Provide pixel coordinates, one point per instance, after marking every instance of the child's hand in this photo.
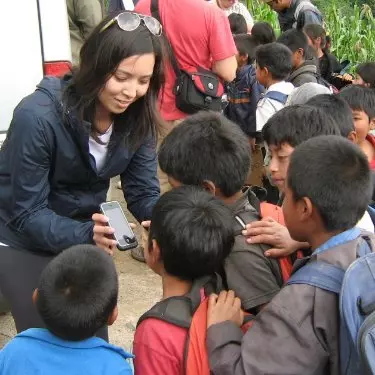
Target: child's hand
(223, 308)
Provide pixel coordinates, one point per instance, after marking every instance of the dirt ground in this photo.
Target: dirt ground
(140, 288)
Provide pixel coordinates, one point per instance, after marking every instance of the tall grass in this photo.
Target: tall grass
(352, 29)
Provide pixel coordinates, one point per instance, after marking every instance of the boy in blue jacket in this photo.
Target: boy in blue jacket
(76, 296)
(244, 93)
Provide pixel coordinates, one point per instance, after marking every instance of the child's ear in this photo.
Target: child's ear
(305, 208)
(113, 316)
(209, 186)
(35, 296)
(154, 252)
(244, 58)
(352, 137)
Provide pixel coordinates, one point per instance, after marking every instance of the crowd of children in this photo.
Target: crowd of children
(213, 233)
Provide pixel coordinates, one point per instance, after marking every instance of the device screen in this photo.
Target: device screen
(118, 222)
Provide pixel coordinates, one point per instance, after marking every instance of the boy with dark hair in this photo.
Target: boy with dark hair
(237, 24)
(304, 70)
(243, 96)
(361, 100)
(76, 296)
(191, 234)
(273, 66)
(339, 110)
(263, 33)
(365, 75)
(215, 155)
(300, 327)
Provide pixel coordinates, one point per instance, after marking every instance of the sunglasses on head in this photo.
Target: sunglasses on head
(131, 21)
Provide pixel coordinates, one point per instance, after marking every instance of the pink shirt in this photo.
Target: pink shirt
(159, 348)
(199, 33)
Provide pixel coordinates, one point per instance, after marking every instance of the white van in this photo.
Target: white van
(35, 41)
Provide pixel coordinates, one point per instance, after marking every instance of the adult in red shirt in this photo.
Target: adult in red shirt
(200, 36)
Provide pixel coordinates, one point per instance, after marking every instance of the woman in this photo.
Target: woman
(66, 141)
(234, 6)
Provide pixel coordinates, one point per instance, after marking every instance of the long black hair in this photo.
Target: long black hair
(100, 56)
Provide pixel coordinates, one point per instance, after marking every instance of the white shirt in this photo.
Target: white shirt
(99, 151)
(267, 107)
(366, 223)
(240, 9)
(128, 4)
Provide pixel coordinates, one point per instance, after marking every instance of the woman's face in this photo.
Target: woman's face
(225, 4)
(129, 83)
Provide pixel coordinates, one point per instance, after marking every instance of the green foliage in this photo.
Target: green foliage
(351, 27)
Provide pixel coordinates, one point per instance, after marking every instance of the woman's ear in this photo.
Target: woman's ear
(209, 186)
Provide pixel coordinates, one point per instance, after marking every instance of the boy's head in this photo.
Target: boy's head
(316, 36)
(246, 47)
(328, 188)
(297, 42)
(77, 293)
(237, 23)
(365, 75)
(361, 100)
(191, 234)
(339, 110)
(274, 63)
(263, 33)
(287, 129)
(278, 5)
(209, 151)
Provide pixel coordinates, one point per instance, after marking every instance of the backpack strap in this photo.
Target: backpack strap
(179, 310)
(277, 96)
(321, 275)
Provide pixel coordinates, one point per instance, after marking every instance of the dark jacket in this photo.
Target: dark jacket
(307, 14)
(328, 64)
(243, 96)
(296, 333)
(49, 183)
(304, 74)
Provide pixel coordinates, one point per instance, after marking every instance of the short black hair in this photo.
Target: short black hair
(359, 99)
(367, 72)
(336, 108)
(297, 124)
(77, 292)
(294, 39)
(237, 23)
(194, 231)
(315, 31)
(207, 146)
(246, 45)
(263, 33)
(334, 174)
(277, 58)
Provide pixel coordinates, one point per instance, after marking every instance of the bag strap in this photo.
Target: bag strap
(277, 96)
(321, 275)
(172, 57)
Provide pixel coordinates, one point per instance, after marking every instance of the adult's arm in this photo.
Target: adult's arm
(88, 14)
(30, 156)
(140, 183)
(221, 44)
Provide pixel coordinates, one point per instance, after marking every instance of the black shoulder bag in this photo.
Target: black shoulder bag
(196, 91)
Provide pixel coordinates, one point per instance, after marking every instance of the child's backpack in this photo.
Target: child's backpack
(356, 290)
(277, 96)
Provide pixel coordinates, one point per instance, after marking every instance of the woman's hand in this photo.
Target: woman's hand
(224, 307)
(103, 234)
(270, 232)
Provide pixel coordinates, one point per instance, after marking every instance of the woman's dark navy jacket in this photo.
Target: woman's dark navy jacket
(49, 185)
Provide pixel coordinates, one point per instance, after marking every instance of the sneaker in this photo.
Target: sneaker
(138, 254)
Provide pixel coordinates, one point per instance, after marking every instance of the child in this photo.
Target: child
(263, 33)
(243, 95)
(304, 71)
(273, 66)
(362, 103)
(191, 234)
(298, 332)
(215, 155)
(365, 75)
(237, 23)
(76, 296)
